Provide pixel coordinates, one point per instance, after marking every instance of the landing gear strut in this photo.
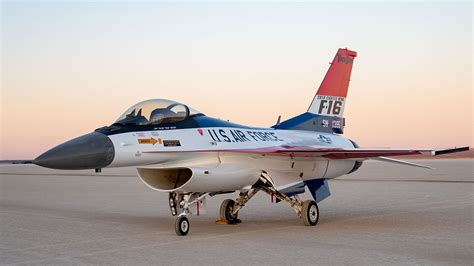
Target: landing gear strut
(308, 210)
(181, 203)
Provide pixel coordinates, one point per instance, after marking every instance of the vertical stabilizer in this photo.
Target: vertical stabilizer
(331, 96)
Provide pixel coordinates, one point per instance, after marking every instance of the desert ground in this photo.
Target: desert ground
(381, 214)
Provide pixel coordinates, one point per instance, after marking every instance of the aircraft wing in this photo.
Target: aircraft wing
(330, 152)
(341, 153)
(359, 153)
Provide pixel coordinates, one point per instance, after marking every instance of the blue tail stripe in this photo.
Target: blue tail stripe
(313, 122)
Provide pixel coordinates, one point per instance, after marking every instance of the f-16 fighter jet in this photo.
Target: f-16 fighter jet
(181, 151)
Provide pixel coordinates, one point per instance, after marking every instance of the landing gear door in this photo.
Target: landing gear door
(173, 201)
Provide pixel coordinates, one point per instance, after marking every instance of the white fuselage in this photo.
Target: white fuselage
(222, 150)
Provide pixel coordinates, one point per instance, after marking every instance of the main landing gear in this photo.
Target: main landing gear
(227, 213)
(180, 204)
(310, 213)
(308, 210)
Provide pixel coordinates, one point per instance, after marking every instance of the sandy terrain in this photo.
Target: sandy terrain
(382, 214)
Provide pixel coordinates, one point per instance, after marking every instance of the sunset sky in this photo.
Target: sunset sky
(71, 67)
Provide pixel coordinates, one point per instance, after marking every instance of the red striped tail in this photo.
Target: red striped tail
(331, 96)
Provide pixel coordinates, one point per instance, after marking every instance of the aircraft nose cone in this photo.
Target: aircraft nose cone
(93, 150)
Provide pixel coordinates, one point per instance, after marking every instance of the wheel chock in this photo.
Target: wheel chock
(235, 221)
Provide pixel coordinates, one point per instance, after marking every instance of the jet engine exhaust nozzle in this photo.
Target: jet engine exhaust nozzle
(93, 150)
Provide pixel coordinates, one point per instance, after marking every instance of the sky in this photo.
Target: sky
(68, 68)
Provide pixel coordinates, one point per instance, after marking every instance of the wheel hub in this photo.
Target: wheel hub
(313, 213)
(184, 226)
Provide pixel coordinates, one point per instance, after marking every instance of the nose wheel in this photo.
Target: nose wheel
(181, 225)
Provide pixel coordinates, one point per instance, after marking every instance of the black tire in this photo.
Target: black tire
(226, 209)
(310, 213)
(181, 226)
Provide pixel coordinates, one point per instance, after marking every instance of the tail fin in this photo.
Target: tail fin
(331, 96)
(325, 112)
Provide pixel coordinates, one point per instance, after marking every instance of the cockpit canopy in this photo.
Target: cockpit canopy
(155, 112)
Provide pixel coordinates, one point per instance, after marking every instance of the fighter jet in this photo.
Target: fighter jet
(180, 151)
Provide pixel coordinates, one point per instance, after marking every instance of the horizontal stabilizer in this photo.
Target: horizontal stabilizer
(390, 160)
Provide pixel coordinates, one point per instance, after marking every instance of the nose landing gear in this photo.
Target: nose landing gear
(181, 203)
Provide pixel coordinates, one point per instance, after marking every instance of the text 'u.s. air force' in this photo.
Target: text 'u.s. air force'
(236, 135)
